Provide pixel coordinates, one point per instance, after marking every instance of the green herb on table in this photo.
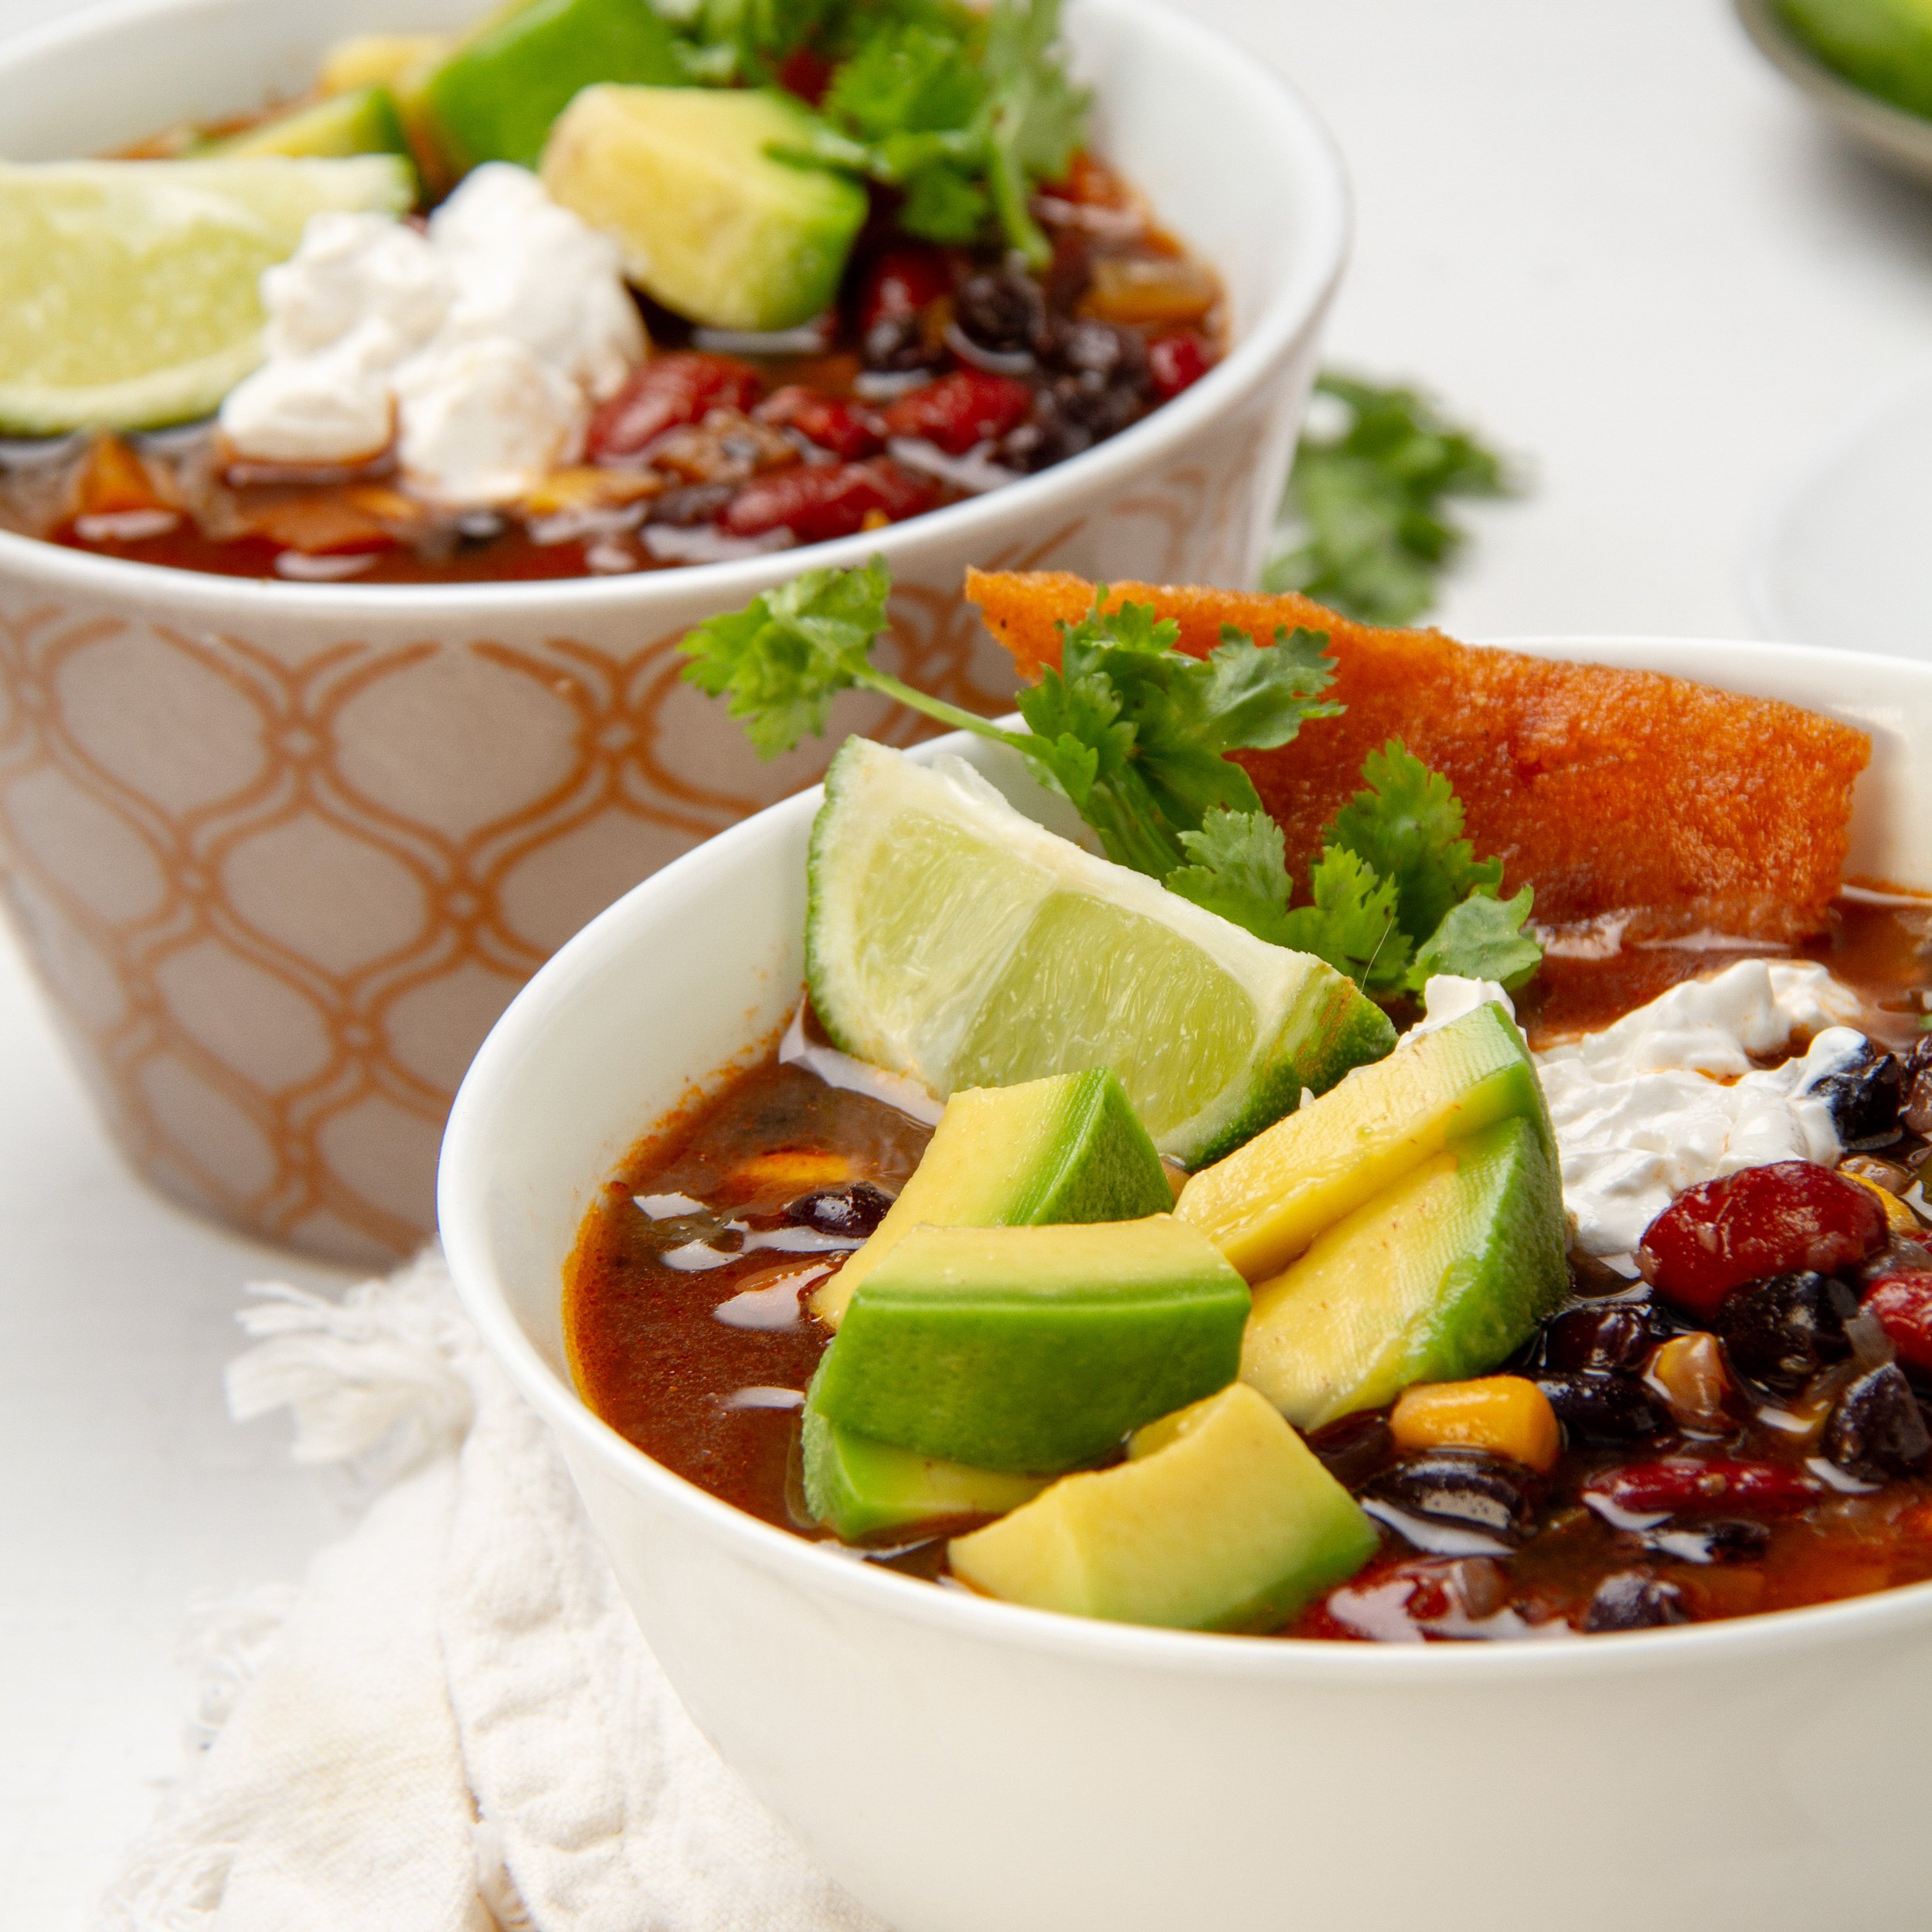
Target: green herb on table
(1136, 733)
(1366, 523)
(963, 112)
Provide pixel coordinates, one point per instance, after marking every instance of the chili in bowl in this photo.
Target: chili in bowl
(315, 833)
(957, 1759)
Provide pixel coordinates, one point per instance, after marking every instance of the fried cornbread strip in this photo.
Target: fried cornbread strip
(1615, 794)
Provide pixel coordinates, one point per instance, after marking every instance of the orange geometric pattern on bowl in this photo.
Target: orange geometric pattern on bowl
(277, 895)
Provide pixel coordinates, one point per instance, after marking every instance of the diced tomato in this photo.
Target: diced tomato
(832, 422)
(902, 282)
(818, 501)
(1177, 361)
(1760, 1221)
(966, 406)
(1680, 1484)
(669, 391)
(1902, 1302)
(806, 73)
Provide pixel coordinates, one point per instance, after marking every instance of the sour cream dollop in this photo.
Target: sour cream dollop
(478, 348)
(1667, 1097)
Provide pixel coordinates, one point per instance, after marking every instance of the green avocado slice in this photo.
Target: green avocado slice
(707, 220)
(1223, 1518)
(1068, 1147)
(1032, 1349)
(363, 121)
(497, 95)
(1266, 1201)
(860, 1488)
(1438, 1279)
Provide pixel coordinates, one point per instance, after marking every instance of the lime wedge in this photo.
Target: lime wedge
(950, 938)
(131, 287)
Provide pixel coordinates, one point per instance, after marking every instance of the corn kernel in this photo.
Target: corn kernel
(1689, 1373)
(1898, 1217)
(1507, 1415)
(788, 1171)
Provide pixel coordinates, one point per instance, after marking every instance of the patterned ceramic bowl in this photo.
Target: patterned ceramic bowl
(282, 852)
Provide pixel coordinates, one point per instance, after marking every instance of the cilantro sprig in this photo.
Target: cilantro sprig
(1367, 524)
(962, 112)
(1137, 734)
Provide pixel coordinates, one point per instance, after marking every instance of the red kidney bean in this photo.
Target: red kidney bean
(1175, 362)
(966, 406)
(901, 282)
(669, 391)
(1617, 1337)
(1680, 1484)
(1780, 1219)
(1903, 1303)
(832, 422)
(818, 501)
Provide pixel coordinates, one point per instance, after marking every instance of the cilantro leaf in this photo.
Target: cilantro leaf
(780, 661)
(1482, 938)
(1352, 923)
(1161, 723)
(1036, 116)
(1240, 870)
(1367, 525)
(1408, 826)
(963, 111)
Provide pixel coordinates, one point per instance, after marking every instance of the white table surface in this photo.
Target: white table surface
(1600, 229)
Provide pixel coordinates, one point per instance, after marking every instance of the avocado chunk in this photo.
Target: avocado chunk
(861, 1489)
(1032, 1349)
(1436, 1281)
(707, 222)
(1264, 1203)
(364, 121)
(497, 95)
(1068, 1147)
(1222, 1518)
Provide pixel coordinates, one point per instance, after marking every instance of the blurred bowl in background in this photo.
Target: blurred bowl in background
(281, 853)
(1894, 136)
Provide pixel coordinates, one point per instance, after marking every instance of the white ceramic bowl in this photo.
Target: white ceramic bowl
(962, 1765)
(282, 852)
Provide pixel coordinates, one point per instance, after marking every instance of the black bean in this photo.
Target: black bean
(1865, 1099)
(1101, 352)
(1721, 1539)
(1633, 1601)
(1463, 1489)
(1616, 1337)
(1780, 1333)
(1876, 1428)
(1604, 1406)
(1004, 310)
(692, 504)
(1916, 1113)
(1354, 1448)
(855, 1208)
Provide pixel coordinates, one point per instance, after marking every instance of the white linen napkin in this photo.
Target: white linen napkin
(453, 1726)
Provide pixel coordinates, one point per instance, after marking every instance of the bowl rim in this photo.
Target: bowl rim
(818, 1567)
(1894, 133)
(1296, 303)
